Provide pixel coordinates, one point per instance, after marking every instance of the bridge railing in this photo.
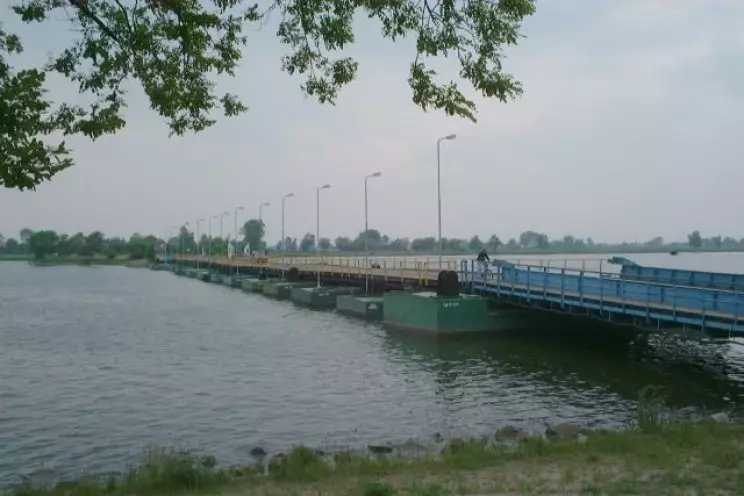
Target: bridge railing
(422, 270)
(586, 264)
(545, 282)
(684, 277)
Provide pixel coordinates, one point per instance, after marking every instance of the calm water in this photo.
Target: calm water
(97, 364)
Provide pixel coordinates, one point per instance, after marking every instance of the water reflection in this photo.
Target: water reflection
(566, 352)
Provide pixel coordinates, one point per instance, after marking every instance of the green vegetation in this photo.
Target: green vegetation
(529, 242)
(94, 260)
(178, 50)
(49, 248)
(673, 459)
(53, 248)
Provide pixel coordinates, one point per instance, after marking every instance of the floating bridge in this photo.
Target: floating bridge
(618, 291)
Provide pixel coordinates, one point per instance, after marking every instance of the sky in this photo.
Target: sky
(629, 128)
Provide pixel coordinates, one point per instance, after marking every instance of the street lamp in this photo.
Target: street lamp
(366, 228)
(165, 248)
(439, 193)
(260, 209)
(180, 236)
(260, 215)
(317, 226)
(209, 253)
(222, 239)
(235, 238)
(198, 243)
(284, 243)
(170, 230)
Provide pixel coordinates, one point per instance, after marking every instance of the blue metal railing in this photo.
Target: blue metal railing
(734, 282)
(589, 288)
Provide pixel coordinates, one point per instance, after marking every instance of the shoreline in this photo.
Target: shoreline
(381, 254)
(676, 458)
(90, 262)
(492, 254)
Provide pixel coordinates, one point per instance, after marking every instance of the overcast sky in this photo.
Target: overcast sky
(630, 127)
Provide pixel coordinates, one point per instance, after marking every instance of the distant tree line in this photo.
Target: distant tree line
(527, 242)
(48, 243)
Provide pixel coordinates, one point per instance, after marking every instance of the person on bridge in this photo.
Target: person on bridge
(483, 256)
(482, 259)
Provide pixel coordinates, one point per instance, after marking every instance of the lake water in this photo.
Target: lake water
(98, 364)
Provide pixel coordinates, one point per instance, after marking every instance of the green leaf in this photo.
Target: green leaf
(174, 49)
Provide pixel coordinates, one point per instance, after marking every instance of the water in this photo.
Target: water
(98, 364)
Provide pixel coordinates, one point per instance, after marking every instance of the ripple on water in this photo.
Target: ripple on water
(98, 364)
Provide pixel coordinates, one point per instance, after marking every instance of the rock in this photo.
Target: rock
(329, 460)
(689, 414)
(581, 438)
(258, 452)
(563, 431)
(410, 448)
(720, 418)
(209, 461)
(379, 449)
(274, 463)
(342, 457)
(510, 433)
(455, 445)
(438, 438)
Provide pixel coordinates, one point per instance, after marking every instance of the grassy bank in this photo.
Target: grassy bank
(4, 257)
(97, 261)
(677, 459)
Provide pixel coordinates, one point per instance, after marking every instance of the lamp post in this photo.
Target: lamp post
(260, 214)
(439, 193)
(366, 228)
(235, 239)
(165, 247)
(198, 243)
(209, 253)
(317, 227)
(222, 239)
(174, 250)
(284, 244)
(180, 236)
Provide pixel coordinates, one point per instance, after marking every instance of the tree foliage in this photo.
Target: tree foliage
(695, 240)
(174, 49)
(42, 243)
(324, 244)
(307, 242)
(253, 234)
(47, 243)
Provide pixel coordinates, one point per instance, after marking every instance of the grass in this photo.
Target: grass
(116, 261)
(4, 257)
(668, 459)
